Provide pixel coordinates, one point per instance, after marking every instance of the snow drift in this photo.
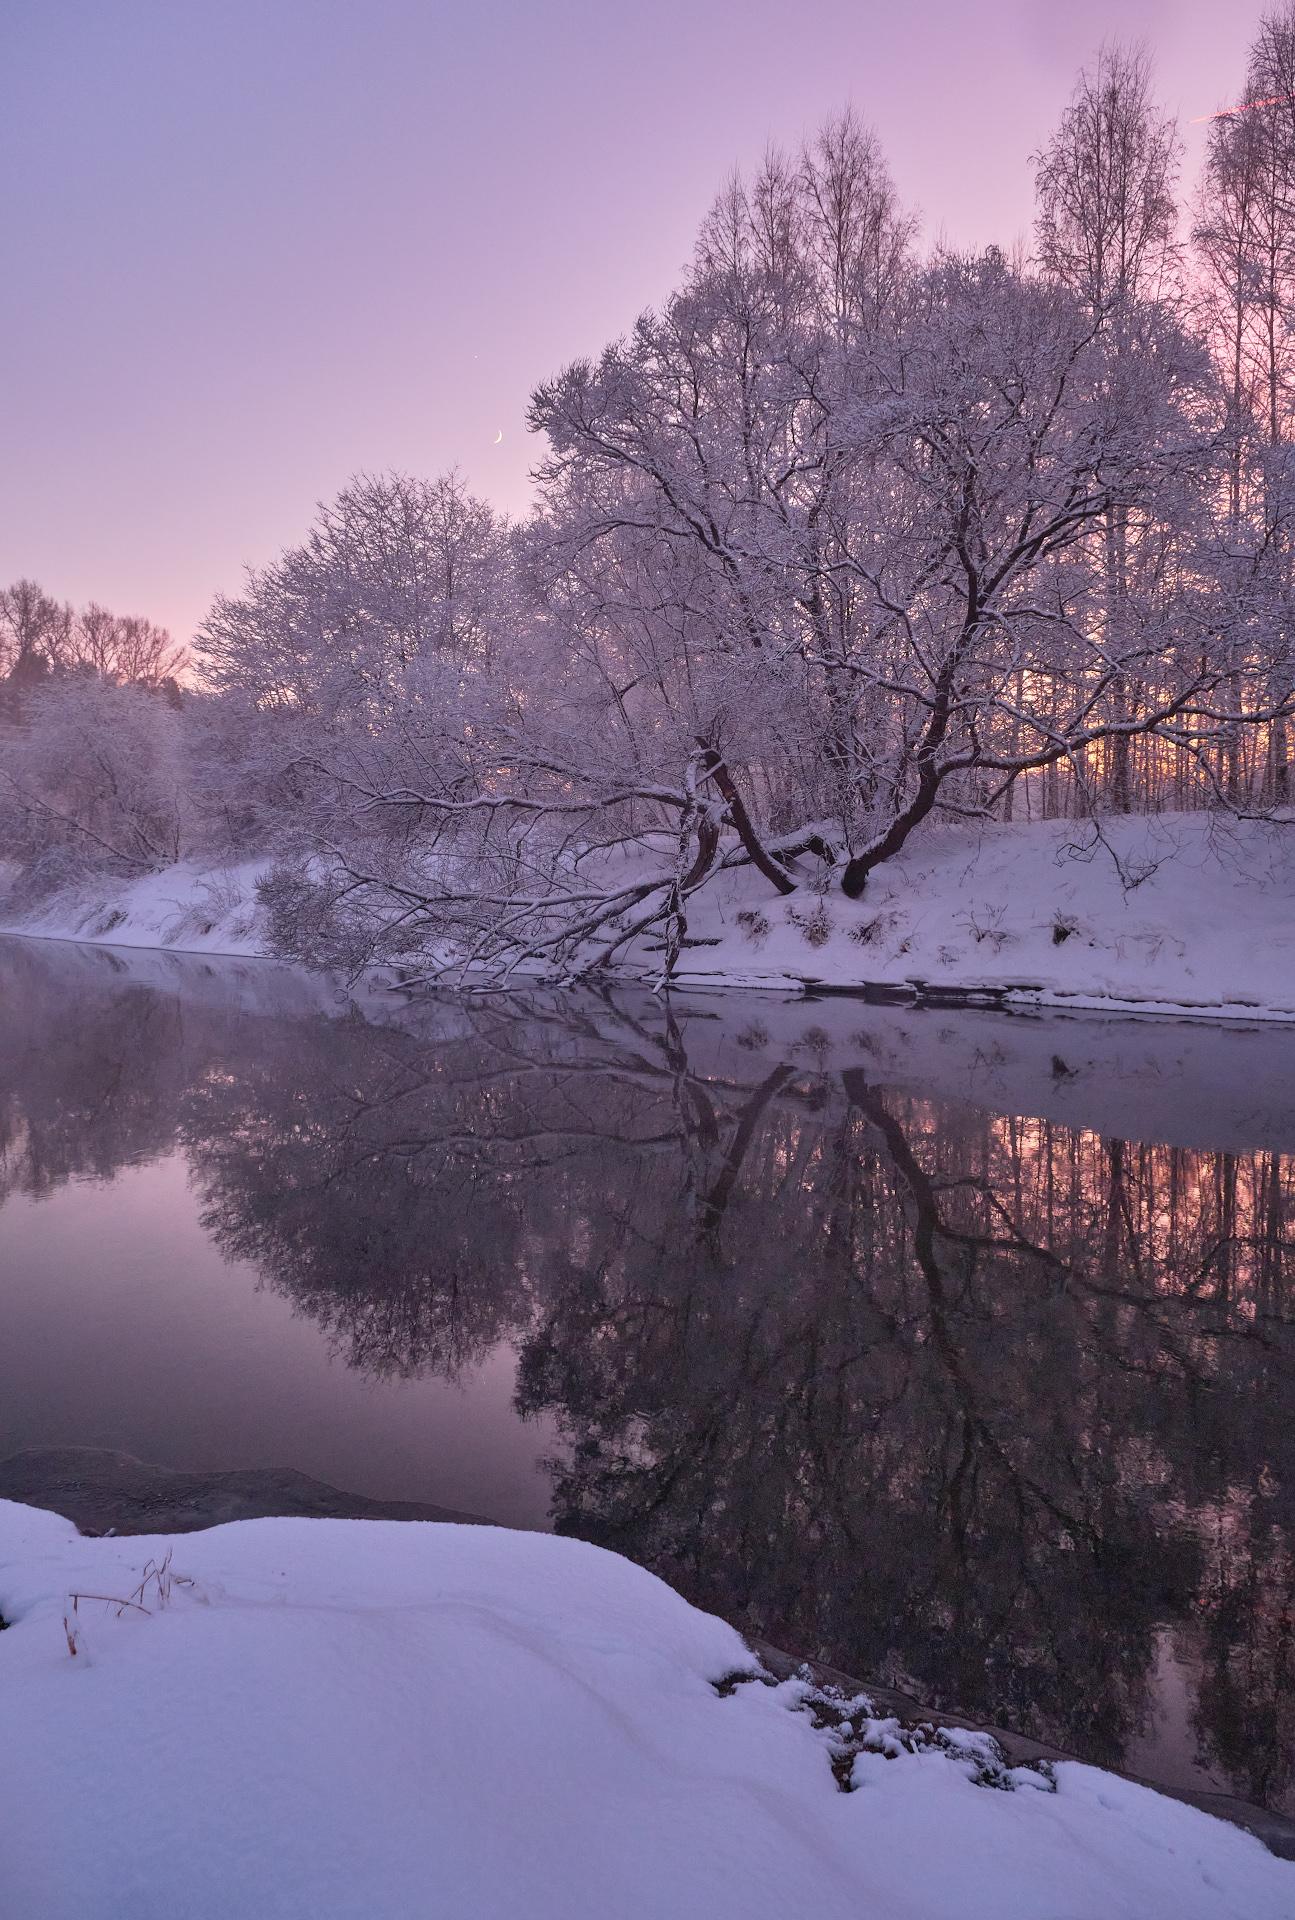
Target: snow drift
(353, 1720)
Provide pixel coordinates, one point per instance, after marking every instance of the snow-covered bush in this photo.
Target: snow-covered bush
(93, 778)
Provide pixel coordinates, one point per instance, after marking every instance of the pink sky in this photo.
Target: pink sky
(252, 247)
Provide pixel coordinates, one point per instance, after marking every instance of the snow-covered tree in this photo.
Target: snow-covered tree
(93, 779)
(836, 543)
(1105, 184)
(124, 648)
(394, 578)
(35, 634)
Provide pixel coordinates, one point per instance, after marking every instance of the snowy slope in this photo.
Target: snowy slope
(1192, 913)
(352, 1720)
(1178, 912)
(186, 908)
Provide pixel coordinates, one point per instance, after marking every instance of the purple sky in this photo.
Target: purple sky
(252, 246)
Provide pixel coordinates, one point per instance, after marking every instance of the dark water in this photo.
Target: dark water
(956, 1350)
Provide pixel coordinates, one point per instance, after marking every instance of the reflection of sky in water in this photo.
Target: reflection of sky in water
(121, 1325)
(1166, 1747)
(879, 1332)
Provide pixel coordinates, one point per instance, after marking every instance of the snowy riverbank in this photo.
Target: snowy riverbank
(1185, 913)
(185, 908)
(349, 1718)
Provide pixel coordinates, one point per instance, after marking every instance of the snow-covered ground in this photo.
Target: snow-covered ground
(370, 1720)
(1192, 913)
(1177, 912)
(186, 908)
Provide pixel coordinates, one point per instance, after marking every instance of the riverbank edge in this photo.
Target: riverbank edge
(915, 993)
(101, 1491)
(1182, 916)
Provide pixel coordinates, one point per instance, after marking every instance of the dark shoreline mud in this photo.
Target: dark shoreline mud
(101, 1491)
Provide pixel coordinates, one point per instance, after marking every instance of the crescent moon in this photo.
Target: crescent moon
(499, 436)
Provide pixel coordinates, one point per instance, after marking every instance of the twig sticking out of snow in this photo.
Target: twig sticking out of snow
(158, 1573)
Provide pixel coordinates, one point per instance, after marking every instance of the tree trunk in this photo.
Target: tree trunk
(713, 764)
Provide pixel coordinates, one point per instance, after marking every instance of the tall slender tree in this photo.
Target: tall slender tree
(1107, 228)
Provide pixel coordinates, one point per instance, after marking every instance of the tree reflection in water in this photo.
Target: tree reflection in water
(953, 1394)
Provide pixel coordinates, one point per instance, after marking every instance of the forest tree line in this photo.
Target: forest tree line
(849, 538)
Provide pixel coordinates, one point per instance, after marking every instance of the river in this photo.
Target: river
(953, 1349)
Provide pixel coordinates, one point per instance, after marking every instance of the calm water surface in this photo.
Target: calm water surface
(956, 1350)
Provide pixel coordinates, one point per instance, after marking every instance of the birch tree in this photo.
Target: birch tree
(1107, 229)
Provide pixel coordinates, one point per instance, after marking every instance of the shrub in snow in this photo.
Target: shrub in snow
(985, 925)
(816, 926)
(754, 925)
